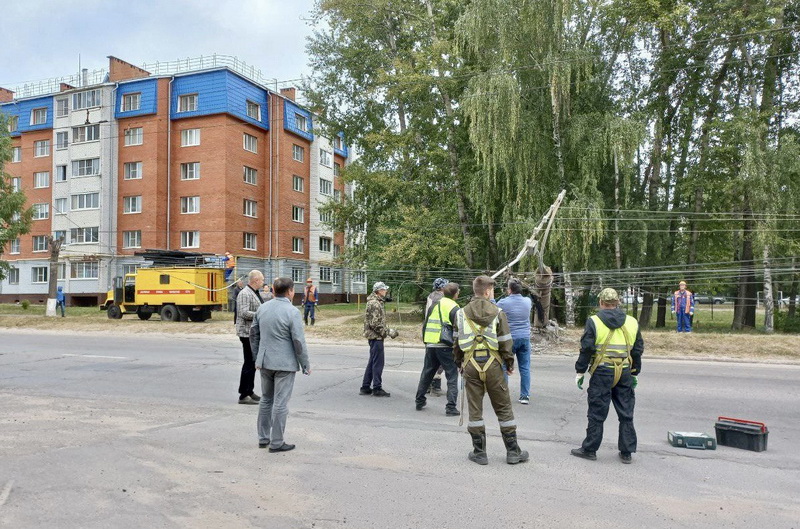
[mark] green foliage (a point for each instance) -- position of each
(786, 324)
(25, 304)
(15, 218)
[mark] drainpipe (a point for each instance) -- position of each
(169, 158)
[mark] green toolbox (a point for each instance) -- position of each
(699, 441)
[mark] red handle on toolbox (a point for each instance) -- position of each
(731, 419)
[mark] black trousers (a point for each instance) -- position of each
(600, 396)
(435, 359)
(373, 374)
(247, 380)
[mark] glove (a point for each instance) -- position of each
(635, 381)
(393, 333)
(579, 380)
(691, 313)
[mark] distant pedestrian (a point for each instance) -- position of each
(61, 300)
(518, 310)
(438, 338)
(309, 301)
(247, 303)
(375, 331)
(683, 307)
(278, 340)
(438, 286)
(268, 292)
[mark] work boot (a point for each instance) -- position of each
(625, 457)
(514, 454)
(478, 455)
(380, 393)
(580, 452)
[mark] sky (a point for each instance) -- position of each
(43, 38)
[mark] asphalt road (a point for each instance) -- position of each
(103, 430)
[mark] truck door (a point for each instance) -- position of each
(130, 289)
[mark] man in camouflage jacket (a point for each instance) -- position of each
(375, 330)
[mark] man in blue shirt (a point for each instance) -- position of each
(61, 300)
(518, 310)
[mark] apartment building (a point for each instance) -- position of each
(200, 155)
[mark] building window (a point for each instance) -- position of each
(337, 250)
(13, 124)
(84, 270)
(301, 122)
(41, 148)
(337, 277)
(254, 110)
(62, 271)
(324, 244)
(297, 214)
(39, 243)
(338, 144)
(89, 167)
(297, 245)
(134, 136)
(85, 201)
(60, 234)
(298, 153)
(38, 116)
(13, 276)
(325, 187)
(61, 173)
(60, 206)
(16, 183)
(84, 235)
(190, 239)
(62, 140)
(249, 241)
(16, 154)
(132, 239)
(337, 169)
(190, 205)
(129, 269)
(88, 133)
(250, 208)
(41, 179)
(62, 107)
(324, 274)
(133, 170)
(187, 103)
(39, 274)
(337, 195)
(250, 143)
(298, 275)
(41, 211)
(297, 183)
(88, 99)
(326, 217)
(14, 246)
(250, 175)
(325, 158)
(359, 276)
(132, 204)
(190, 137)
(131, 102)
(190, 171)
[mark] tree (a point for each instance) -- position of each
(15, 218)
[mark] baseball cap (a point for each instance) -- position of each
(380, 285)
(608, 294)
(439, 283)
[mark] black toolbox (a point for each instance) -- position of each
(740, 433)
(696, 440)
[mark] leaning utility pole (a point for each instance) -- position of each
(55, 249)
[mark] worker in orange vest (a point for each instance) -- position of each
(230, 264)
(309, 300)
(683, 307)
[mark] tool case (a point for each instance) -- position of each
(696, 440)
(741, 433)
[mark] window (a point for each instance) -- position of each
(60, 234)
(85, 201)
(13, 276)
(298, 213)
(359, 276)
(301, 122)
(38, 116)
(297, 183)
(62, 271)
(62, 107)
(187, 103)
(324, 244)
(39, 243)
(326, 217)
(89, 167)
(337, 250)
(132, 204)
(250, 208)
(132, 239)
(190, 205)
(39, 274)
(325, 187)
(41, 148)
(16, 154)
(61, 173)
(250, 143)
(87, 99)
(14, 246)
(16, 183)
(324, 274)
(325, 158)
(62, 140)
(83, 235)
(134, 136)
(337, 169)
(297, 245)
(190, 239)
(298, 153)
(84, 270)
(13, 124)
(163, 279)
(337, 195)
(190, 171)
(337, 277)
(254, 110)
(298, 275)
(88, 133)
(249, 241)
(132, 170)
(129, 269)
(250, 175)
(190, 137)
(60, 206)
(131, 102)
(41, 211)
(338, 144)
(41, 179)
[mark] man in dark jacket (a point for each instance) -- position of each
(611, 350)
(375, 331)
(437, 334)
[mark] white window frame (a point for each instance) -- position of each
(79, 235)
(188, 102)
(297, 245)
(300, 122)
(326, 217)
(338, 144)
(39, 243)
(298, 153)
(14, 246)
(250, 208)
(132, 239)
(337, 250)
(250, 143)
(13, 124)
(41, 211)
(82, 165)
(13, 276)
(62, 140)
(16, 154)
(190, 205)
(62, 107)
(325, 158)
(39, 274)
(298, 183)
(131, 101)
(87, 99)
(64, 203)
(255, 108)
(84, 201)
(325, 187)
(132, 171)
(84, 270)
(336, 277)
(62, 271)
(325, 244)
(298, 214)
(16, 183)
(41, 179)
(190, 171)
(359, 276)
(324, 274)
(337, 169)
(249, 241)
(337, 195)
(41, 148)
(134, 136)
(250, 175)
(132, 204)
(85, 133)
(298, 275)
(190, 137)
(61, 173)
(190, 239)
(129, 269)
(39, 116)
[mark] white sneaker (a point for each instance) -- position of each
(524, 400)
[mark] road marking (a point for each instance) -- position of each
(6, 493)
(97, 356)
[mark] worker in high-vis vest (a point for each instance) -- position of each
(437, 333)
(483, 349)
(683, 307)
(611, 351)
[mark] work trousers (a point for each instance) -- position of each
(374, 372)
(309, 310)
(496, 387)
(247, 379)
(273, 408)
(684, 321)
(600, 395)
(61, 305)
(437, 358)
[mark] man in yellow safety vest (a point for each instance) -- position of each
(613, 345)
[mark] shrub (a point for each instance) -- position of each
(25, 304)
(784, 323)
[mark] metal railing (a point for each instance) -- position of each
(53, 85)
(206, 62)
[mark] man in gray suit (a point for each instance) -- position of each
(278, 339)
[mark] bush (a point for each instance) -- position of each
(25, 304)
(784, 323)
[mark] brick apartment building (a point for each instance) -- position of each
(198, 155)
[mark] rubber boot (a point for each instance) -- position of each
(514, 454)
(478, 455)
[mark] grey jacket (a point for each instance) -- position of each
(247, 303)
(277, 337)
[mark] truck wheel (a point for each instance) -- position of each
(170, 313)
(144, 315)
(114, 312)
(183, 312)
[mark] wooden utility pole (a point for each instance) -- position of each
(55, 249)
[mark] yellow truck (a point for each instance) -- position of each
(176, 293)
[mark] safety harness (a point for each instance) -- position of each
(482, 343)
(612, 355)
